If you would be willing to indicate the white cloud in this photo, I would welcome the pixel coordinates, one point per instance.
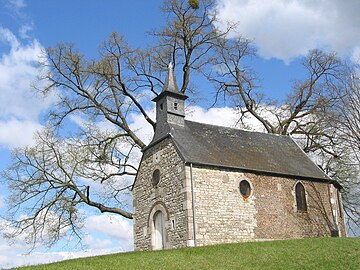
(19, 71)
(18, 4)
(24, 30)
(107, 234)
(13, 257)
(15, 133)
(286, 29)
(97, 243)
(113, 226)
(224, 116)
(145, 130)
(20, 107)
(215, 116)
(7, 36)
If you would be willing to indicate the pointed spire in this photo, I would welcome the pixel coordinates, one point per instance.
(170, 87)
(170, 83)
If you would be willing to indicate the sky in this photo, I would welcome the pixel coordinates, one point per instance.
(281, 30)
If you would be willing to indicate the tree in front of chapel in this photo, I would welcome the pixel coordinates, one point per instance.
(92, 166)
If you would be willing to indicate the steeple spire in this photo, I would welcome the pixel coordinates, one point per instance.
(170, 83)
(170, 87)
(170, 107)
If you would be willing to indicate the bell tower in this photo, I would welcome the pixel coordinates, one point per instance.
(169, 104)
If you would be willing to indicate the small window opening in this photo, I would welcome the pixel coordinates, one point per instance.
(161, 106)
(175, 106)
(300, 197)
(156, 177)
(245, 188)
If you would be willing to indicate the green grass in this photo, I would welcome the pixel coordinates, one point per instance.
(319, 253)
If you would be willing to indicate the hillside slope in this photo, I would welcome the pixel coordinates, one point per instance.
(320, 253)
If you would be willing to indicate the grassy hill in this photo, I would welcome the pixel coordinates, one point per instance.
(320, 253)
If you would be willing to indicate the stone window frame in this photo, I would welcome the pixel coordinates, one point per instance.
(296, 209)
(251, 188)
(152, 177)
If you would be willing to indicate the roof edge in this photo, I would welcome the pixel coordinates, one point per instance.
(153, 143)
(307, 156)
(168, 93)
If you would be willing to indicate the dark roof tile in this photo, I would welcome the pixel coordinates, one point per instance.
(228, 147)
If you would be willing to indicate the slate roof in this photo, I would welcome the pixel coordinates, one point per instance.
(234, 148)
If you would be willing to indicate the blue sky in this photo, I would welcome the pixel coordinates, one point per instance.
(282, 31)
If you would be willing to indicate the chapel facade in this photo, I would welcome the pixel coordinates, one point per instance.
(200, 184)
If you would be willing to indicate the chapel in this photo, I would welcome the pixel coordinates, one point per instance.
(201, 184)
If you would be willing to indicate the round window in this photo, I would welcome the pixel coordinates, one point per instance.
(156, 177)
(245, 188)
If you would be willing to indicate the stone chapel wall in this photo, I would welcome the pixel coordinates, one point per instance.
(223, 216)
(168, 195)
(277, 216)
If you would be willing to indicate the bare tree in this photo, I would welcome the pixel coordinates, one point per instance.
(188, 41)
(84, 164)
(347, 124)
(308, 97)
(305, 111)
(321, 111)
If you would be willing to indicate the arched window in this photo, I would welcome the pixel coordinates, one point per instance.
(301, 205)
(156, 177)
(245, 188)
(159, 231)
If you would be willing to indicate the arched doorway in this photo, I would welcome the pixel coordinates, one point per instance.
(159, 230)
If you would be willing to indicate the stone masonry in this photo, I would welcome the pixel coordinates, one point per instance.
(222, 215)
(168, 196)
